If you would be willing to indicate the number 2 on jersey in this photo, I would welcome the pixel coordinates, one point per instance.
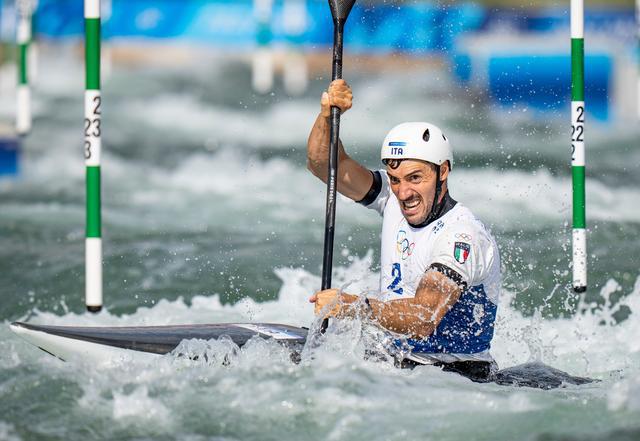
(397, 278)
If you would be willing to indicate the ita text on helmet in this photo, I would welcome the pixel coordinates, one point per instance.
(417, 140)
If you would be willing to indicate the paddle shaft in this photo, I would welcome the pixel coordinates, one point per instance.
(330, 212)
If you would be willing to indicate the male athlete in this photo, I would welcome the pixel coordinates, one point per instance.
(439, 266)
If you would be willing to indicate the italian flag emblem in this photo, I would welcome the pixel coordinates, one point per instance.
(461, 251)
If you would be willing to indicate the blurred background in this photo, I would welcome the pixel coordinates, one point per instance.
(209, 214)
(207, 105)
(510, 51)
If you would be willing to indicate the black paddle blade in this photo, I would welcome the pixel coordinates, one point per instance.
(340, 9)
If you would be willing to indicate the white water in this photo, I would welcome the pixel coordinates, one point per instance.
(188, 194)
(335, 394)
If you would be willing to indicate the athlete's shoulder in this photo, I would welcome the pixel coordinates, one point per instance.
(379, 194)
(462, 230)
(465, 246)
(461, 217)
(461, 212)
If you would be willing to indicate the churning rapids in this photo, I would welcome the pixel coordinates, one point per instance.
(210, 216)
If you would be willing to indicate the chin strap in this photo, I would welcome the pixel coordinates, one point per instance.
(435, 207)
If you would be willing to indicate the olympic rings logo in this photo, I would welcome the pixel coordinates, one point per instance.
(463, 236)
(403, 247)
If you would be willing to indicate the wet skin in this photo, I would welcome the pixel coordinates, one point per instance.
(413, 183)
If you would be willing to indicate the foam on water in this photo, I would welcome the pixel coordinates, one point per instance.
(256, 148)
(239, 180)
(222, 126)
(334, 393)
(506, 195)
(576, 343)
(7, 432)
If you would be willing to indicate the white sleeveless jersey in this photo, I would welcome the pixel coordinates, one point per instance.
(457, 240)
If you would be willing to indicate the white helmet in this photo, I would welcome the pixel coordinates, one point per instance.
(417, 140)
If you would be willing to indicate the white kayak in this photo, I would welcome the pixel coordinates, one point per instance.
(104, 343)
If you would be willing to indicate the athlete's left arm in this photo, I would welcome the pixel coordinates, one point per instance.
(418, 316)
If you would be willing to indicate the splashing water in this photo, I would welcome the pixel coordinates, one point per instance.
(210, 216)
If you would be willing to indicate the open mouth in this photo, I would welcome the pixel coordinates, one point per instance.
(411, 206)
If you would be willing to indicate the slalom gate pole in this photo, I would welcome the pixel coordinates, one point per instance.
(92, 147)
(579, 234)
(340, 10)
(23, 92)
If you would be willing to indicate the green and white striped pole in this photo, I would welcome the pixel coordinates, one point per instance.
(577, 147)
(92, 146)
(23, 92)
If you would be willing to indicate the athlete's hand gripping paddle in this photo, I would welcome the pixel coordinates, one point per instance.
(340, 10)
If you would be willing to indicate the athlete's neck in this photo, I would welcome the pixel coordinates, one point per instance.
(445, 204)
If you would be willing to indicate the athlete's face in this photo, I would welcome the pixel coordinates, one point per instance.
(414, 184)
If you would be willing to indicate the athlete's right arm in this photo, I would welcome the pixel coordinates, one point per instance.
(354, 180)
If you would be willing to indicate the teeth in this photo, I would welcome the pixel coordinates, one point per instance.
(411, 204)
